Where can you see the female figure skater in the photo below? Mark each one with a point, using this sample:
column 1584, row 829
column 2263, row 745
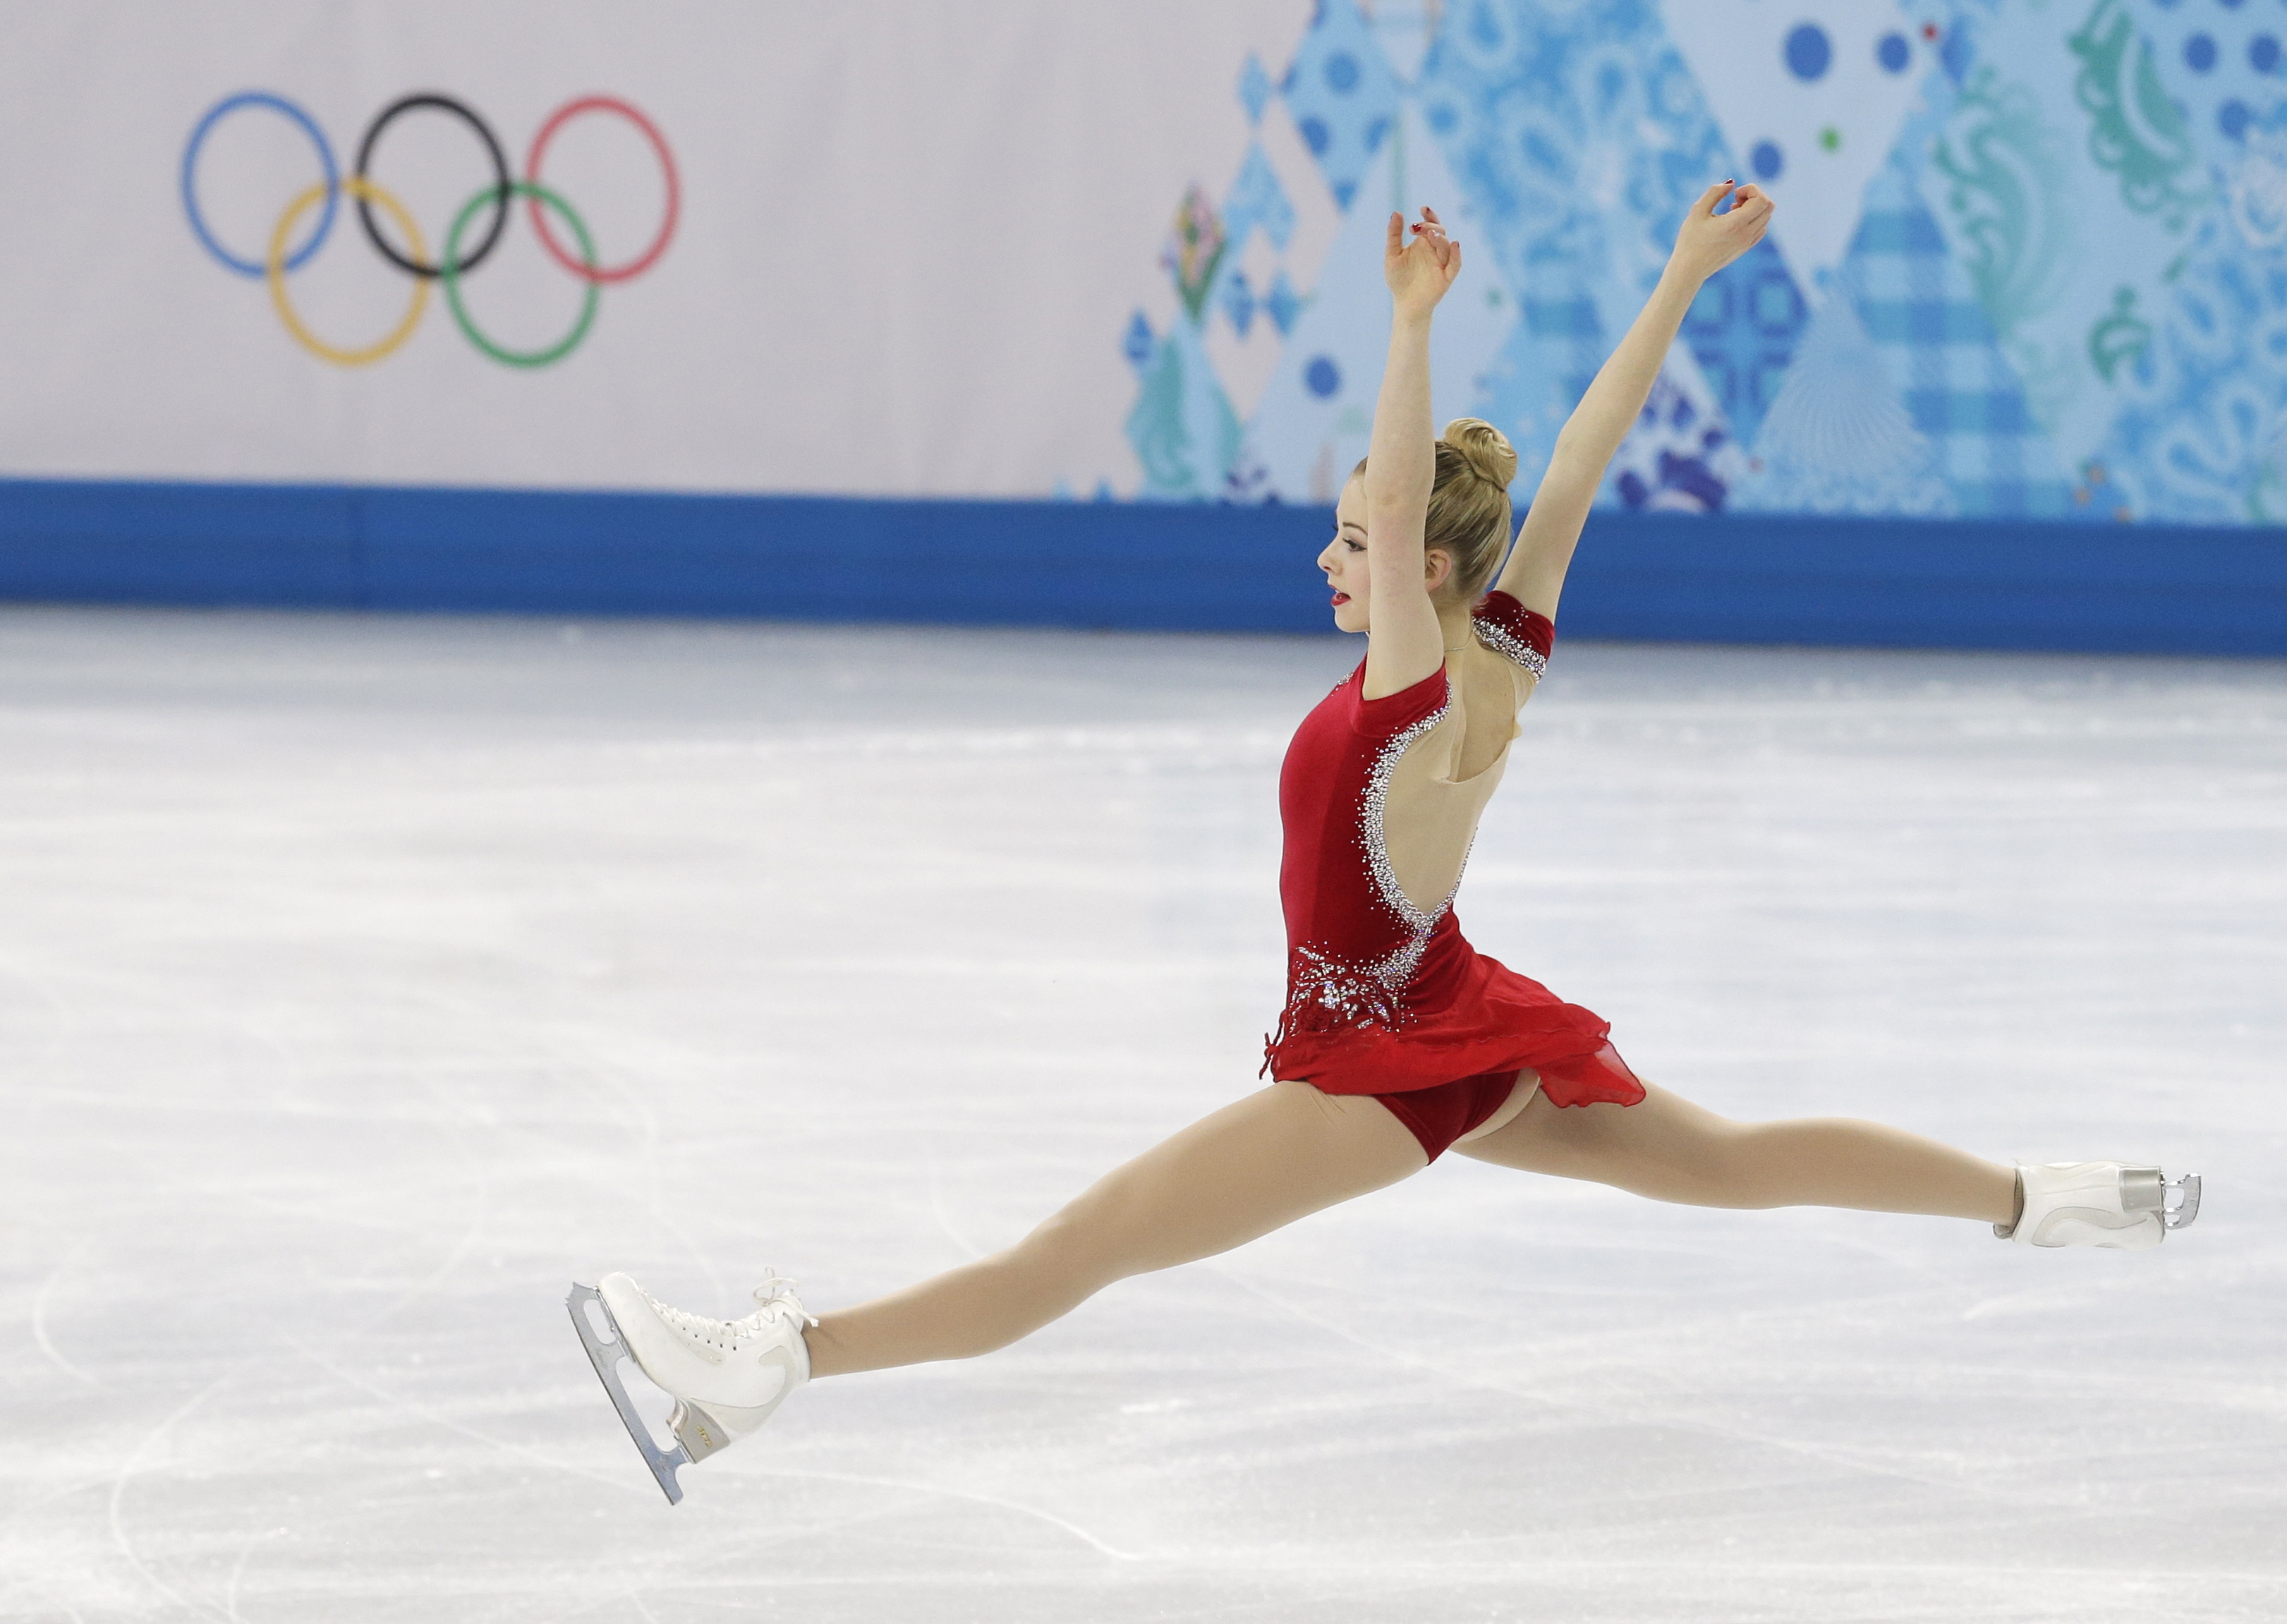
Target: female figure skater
column 1399, row 1040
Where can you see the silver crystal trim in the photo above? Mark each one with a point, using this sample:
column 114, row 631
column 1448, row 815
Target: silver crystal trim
column 1354, row 996
column 1501, row 640
column 1395, row 969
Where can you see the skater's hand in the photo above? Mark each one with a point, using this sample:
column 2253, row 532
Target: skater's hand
column 1419, row 271
column 1710, row 240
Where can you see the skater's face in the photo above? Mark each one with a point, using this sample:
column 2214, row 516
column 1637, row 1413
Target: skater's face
column 1344, row 560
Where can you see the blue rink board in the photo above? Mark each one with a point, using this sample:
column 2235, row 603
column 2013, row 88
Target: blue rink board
column 1749, row 579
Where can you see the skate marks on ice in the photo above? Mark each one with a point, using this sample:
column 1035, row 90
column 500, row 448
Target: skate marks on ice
column 360, row 982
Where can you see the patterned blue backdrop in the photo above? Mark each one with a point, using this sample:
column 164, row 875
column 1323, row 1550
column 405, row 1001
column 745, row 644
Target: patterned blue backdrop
column 2028, row 261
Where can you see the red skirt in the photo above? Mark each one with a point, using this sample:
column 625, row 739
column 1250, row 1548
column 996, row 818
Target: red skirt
column 1462, row 1015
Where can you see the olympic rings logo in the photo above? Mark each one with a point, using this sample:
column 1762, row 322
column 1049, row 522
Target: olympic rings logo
column 451, row 264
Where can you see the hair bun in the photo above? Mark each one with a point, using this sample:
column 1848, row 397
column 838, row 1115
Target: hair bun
column 1483, row 448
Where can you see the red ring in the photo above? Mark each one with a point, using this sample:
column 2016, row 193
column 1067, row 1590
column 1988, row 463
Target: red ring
column 635, row 267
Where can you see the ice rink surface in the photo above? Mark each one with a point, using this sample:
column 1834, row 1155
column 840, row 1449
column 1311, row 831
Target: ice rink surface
column 363, row 982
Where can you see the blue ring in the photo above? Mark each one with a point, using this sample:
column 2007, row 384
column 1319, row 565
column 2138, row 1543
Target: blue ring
column 231, row 104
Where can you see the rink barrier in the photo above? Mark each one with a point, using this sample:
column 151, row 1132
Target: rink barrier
column 1878, row 583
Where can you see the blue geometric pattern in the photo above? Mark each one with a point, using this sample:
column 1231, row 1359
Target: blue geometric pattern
column 1838, row 438
column 1920, row 308
column 1742, row 330
column 1137, row 343
column 2221, row 64
column 1544, row 369
column 1282, row 303
column 1342, row 95
column 2063, row 292
column 2199, row 439
column 1254, row 88
column 1534, row 108
column 1671, row 461
column 1256, row 199
column 1182, row 428
column 2204, row 373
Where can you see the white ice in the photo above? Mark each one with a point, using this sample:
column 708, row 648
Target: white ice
column 364, row 982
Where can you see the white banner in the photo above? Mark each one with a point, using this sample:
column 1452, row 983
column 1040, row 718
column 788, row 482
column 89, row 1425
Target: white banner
column 907, row 237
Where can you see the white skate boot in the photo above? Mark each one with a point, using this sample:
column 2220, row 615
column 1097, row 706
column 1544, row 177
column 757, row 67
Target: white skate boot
column 725, row 1375
column 2100, row 1204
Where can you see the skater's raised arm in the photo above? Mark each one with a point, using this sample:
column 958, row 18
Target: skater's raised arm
column 1404, row 642
column 1534, row 573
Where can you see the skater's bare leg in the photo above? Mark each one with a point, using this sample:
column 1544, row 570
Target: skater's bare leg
column 1257, row 1164
column 1671, row 1149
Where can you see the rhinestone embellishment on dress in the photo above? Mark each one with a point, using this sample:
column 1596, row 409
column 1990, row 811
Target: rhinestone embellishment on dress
column 1375, row 837
column 1502, row 641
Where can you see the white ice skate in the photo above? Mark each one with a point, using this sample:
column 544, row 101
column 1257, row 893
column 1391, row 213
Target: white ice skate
column 725, row 1375
column 2100, row 1204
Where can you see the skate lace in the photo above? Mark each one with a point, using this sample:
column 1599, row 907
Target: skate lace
column 773, row 1296
column 703, row 1329
column 777, row 1292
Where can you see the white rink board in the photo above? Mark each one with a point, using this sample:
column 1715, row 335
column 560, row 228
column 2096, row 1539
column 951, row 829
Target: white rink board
column 362, row 982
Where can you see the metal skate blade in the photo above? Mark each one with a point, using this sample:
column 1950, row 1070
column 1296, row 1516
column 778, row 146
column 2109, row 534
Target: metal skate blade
column 2188, row 1205
column 606, row 1357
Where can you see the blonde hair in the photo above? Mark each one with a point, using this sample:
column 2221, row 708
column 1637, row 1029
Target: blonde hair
column 1469, row 516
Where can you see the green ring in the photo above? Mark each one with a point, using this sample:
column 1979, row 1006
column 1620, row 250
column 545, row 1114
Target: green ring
column 450, row 263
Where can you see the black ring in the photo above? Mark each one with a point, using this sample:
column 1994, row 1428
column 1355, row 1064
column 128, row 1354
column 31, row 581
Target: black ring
column 503, row 184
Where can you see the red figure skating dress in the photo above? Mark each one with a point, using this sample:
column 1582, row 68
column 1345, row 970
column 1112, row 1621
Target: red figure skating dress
column 1384, row 996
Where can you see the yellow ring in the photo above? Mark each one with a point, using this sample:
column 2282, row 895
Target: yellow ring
column 274, row 269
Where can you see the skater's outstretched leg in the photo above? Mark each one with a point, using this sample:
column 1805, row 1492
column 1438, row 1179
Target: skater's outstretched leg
column 1278, row 1155
column 1255, row 1166
column 1671, row 1149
